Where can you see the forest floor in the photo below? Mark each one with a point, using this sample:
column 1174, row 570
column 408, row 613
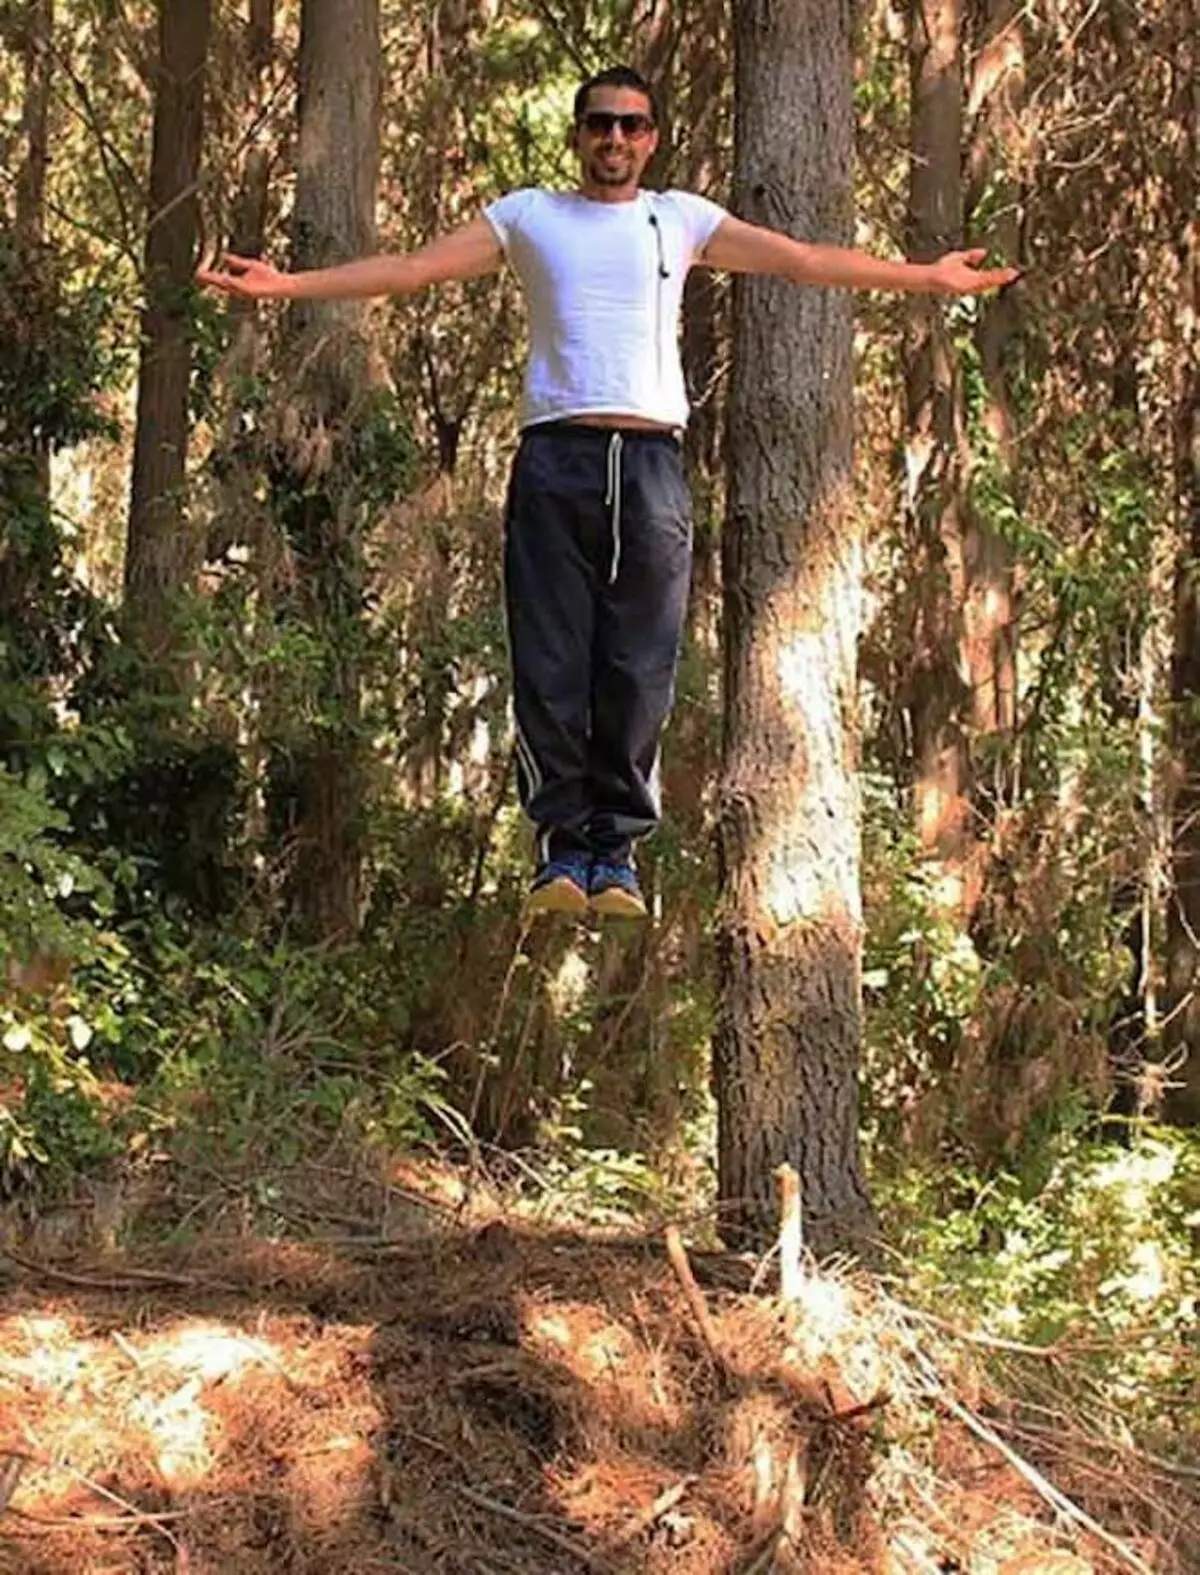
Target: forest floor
column 417, row 1382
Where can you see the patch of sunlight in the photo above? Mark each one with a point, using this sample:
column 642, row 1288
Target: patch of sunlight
column 1145, row 1277
column 56, row 1357
column 799, row 661
column 457, row 779
column 566, row 989
column 208, row 1351
column 178, row 1427
column 825, row 1308
column 795, row 889
column 1136, row 1173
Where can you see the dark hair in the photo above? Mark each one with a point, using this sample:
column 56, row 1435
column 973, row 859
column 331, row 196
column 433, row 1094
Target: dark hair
column 617, row 77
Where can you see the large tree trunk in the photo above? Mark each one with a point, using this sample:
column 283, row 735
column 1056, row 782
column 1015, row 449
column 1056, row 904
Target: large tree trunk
column 789, row 943
column 938, row 686
column 162, row 550
column 318, row 770
column 1182, row 1102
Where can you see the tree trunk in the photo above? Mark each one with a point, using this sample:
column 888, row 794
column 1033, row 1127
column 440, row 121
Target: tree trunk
column 997, row 91
column 317, row 774
column 162, row 551
column 29, row 548
column 37, row 33
column 938, row 686
column 1182, row 1101
column 786, row 1049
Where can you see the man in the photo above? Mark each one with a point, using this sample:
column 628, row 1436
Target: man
column 598, row 519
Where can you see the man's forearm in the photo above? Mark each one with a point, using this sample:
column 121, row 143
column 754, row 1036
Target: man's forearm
column 853, row 270
column 358, row 280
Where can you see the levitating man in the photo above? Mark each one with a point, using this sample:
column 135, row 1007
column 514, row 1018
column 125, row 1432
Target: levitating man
column 597, row 549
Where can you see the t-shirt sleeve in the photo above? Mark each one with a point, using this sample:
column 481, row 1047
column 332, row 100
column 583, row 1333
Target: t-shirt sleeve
column 504, row 215
column 700, row 218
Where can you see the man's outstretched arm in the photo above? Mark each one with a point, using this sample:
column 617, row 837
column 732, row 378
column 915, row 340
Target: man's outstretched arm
column 739, row 247
column 463, row 254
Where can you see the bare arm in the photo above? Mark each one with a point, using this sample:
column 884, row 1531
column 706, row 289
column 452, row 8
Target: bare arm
column 463, row 254
column 749, row 248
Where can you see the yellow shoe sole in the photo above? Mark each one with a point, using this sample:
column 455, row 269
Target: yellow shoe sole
column 614, row 902
column 561, row 895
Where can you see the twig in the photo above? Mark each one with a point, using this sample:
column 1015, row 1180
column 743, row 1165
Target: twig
column 642, row 1522
column 791, row 1239
column 11, row 1466
column 135, row 1279
column 695, row 1300
column 532, row 1523
column 101, row 1522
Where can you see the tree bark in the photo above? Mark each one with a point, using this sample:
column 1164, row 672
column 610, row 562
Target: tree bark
column 938, row 685
column 317, row 774
column 1182, row 1093
column 37, row 34
column 162, row 549
column 787, row 1045
column 994, row 103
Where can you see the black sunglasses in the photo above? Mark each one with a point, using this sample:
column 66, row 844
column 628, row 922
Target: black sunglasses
column 602, row 123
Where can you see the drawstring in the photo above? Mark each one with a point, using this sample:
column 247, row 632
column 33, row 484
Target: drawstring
column 612, row 499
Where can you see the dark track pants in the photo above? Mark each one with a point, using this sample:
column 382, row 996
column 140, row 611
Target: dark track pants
column 597, row 557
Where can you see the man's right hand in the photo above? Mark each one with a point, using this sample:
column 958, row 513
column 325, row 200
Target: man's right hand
column 248, row 277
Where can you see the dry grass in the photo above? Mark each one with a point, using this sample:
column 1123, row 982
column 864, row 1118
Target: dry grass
column 498, row 1400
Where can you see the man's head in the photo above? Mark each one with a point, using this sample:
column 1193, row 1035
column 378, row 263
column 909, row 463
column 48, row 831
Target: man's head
column 615, row 132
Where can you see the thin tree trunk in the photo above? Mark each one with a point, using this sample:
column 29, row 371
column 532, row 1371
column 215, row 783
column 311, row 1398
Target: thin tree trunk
column 29, row 550
column 787, row 1045
column 162, row 550
column 317, row 786
column 996, row 95
column 1182, row 1101
column 939, row 693
column 36, row 37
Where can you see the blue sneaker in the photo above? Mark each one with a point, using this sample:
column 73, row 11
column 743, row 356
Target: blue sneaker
column 613, row 890
column 560, row 886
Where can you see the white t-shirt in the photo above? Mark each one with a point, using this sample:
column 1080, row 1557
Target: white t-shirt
column 603, row 283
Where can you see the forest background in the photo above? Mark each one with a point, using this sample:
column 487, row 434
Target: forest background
column 260, row 858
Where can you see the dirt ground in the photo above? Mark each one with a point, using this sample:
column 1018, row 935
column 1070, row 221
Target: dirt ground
column 465, row 1399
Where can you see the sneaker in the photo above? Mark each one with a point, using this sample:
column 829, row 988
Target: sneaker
column 560, row 886
column 613, row 889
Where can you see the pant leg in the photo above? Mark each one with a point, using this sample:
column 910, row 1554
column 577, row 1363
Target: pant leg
column 639, row 628
column 552, row 525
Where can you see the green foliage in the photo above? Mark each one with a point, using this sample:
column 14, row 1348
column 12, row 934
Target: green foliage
column 1101, row 1252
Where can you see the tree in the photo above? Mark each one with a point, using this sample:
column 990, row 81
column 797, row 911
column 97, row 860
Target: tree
column 162, row 550
column 934, row 457
column 789, row 942
column 318, row 770
column 1183, row 919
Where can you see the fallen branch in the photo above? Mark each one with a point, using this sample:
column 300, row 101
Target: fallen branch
column 1046, row 1489
column 133, row 1280
column 695, row 1300
column 533, row 1523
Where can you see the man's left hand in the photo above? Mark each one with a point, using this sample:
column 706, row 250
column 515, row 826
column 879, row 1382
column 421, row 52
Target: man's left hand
column 959, row 273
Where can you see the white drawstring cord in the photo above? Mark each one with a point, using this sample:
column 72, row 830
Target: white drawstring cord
column 612, row 499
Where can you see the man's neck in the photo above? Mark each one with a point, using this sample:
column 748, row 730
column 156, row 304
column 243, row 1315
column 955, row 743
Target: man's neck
column 596, row 193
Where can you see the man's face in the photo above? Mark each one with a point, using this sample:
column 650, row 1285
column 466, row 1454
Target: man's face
column 615, row 137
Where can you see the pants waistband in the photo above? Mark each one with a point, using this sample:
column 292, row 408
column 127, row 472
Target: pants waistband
column 602, row 435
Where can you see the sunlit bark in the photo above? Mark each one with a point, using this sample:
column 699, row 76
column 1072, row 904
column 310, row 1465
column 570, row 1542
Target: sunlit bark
column 789, row 941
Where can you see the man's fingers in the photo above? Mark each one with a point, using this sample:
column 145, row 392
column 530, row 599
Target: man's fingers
column 975, row 256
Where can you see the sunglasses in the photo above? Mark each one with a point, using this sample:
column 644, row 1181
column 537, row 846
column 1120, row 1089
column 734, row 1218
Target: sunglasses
column 602, row 123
